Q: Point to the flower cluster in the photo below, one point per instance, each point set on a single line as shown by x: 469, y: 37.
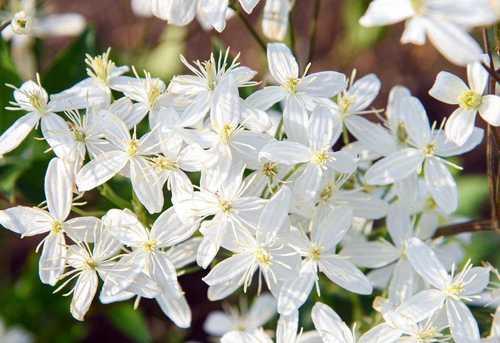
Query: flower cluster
x: 287, y: 190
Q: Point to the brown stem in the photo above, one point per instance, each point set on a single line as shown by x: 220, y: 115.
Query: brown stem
x: 471, y: 226
x: 313, y: 31
x: 249, y: 26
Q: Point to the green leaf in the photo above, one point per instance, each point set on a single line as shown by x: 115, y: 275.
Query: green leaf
x: 130, y: 322
x: 69, y: 67
x: 8, y: 75
x: 473, y: 194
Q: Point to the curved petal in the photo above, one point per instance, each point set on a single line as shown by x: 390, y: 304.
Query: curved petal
x: 394, y: 167
x: 282, y: 65
x: 295, y: 119
x: 364, y: 91
x: 52, y: 261
x: 441, y: 184
x: 285, y: 152
x: 324, y: 84
x: 416, y: 121
x: 329, y: 325
x: 460, y: 125
x: 169, y: 230
x: 490, y: 109
x: 83, y: 293
x: 175, y: 308
x: 17, y: 132
x: 448, y: 88
x: 345, y: 274
x: 463, y: 326
x: 146, y: 185
x: 58, y: 189
x: 100, y: 169
x: 386, y: 12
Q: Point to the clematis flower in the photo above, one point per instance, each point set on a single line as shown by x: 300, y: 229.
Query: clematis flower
x: 219, y: 323
x: 300, y: 94
x: 315, y: 154
x: 31, y: 221
x: 446, y: 290
x: 320, y: 256
x: 452, y: 90
x: 427, y: 151
x: 263, y: 251
x: 446, y: 23
x: 148, y: 256
x: 275, y: 19
x: 128, y: 152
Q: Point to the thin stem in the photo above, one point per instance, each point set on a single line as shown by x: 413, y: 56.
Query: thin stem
x: 81, y: 212
x: 471, y: 226
x: 108, y: 193
x: 249, y: 27
x: 313, y: 31
x: 345, y: 135
x: 138, y: 209
x: 291, y: 29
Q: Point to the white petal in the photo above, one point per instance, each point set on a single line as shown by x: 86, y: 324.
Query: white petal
x: 82, y: 228
x: 164, y: 273
x: 224, y: 289
x: 332, y: 228
x: 386, y: 12
x: 463, y: 326
x: 225, y: 108
x: 229, y: 268
x: 275, y: 19
x: 17, y: 132
x: 415, y: 31
x: 285, y: 152
x: 382, y: 333
x: 324, y: 84
x: 262, y: 310
x: 448, y: 88
x: 371, y: 254
x: 323, y: 131
x: 460, y: 125
x: 286, y: 330
x: 399, y: 225
x: 218, y: 323
x: 176, y: 308
x: 213, y: 13
x: 373, y: 136
x: 447, y: 148
x: 169, y: 230
x: 447, y: 36
x: 416, y: 121
x: 68, y: 24
x: 282, y: 64
x: 146, y: 185
x: 57, y: 133
x: 27, y: 221
x: 441, y: 184
x: 83, y: 293
x: 125, y: 227
x: 184, y: 253
x: 275, y: 213
x: 249, y: 5
x: 364, y: 91
x: 206, y: 252
x: 345, y: 274
x: 329, y: 325
x: 307, y: 185
x: 403, y: 282
x: 394, y: 167
x: 265, y: 98
x: 476, y: 280
x: 58, y: 189
x: 342, y: 162
x: 490, y: 109
x: 295, y: 292
x: 52, y: 261
x: 422, y: 305
x: 295, y: 119
x: 100, y: 170
x: 477, y: 77
x: 364, y: 205
x: 425, y: 263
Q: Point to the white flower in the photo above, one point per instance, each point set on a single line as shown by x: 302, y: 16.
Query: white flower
x: 275, y: 18
x: 260, y: 312
x: 300, y: 94
x: 148, y: 256
x: 264, y: 250
x: 30, y: 221
x: 233, y: 213
x: 445, y: 23
x: 452, y: 90
x: 316, y: 153
x: 195, y: 92
x: 14, y: 334
x: 32, y: 98
x: 95, y: 90
x: 255, y: 336
x: 142, y: 8
x: 446, y: 290
x: 87, y: 266
x: 427, y: 151
x: 332, y: 328
x: 127, y: 152
x: 320, y: 256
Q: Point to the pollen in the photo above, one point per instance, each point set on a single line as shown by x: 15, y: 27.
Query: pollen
x: 226, y: 206
x: 162, y: 163
x: 470, y: 100
x: 263, y: 257
x: 315, y: 253
x: 154, y: 91
x: 57, y: 227
x: 455, y: 289
x: 211, y: 74
x: 430, y: 204
x: 150, y: 245
x: 418, y: 6
x: 133, y: 147
x: 320, y: 158
x: 345, y: 103
x: 78, y: 133
x: 91, y: 264
x: 226, y: 133
x: 21, y: 23
x: 270, y: 169
x: 292, y: 85
x: 428, y: 334
x: 327, y: 193
x: 430, y: 149
x: 37, y: 99
x: 100, y: 67
x: 401, y: 133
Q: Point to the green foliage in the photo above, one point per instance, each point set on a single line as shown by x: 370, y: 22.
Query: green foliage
x: 130, y: 322
x: 473, y: 194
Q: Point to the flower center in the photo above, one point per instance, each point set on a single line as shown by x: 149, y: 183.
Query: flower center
x: 150, y: 245
x: 154, y: 90
x: 292, y: 85
x: 226, y: 133
x: 211, y: 74
x: 263, y: 257
x: 57, y: 227
x: 270, y: 169
x: 226, y: 206
x: 418, y: 6
x: 430, y: 204
x: 326, y: 193
x: 430, y: 149
x: 315, y: 253
x: 345, y: 103
x: 90, y: 263
x: 470, y: 100
x: 21, y: 23
x: 320, y: 158
x: 37, y: 99
x: 162, y: 163
x: 455, y: 289
x: 133, y: 147
x: 427, y: 335
x: 100, y: 67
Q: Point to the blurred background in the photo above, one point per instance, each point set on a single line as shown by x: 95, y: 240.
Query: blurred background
x: 341, y: 45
